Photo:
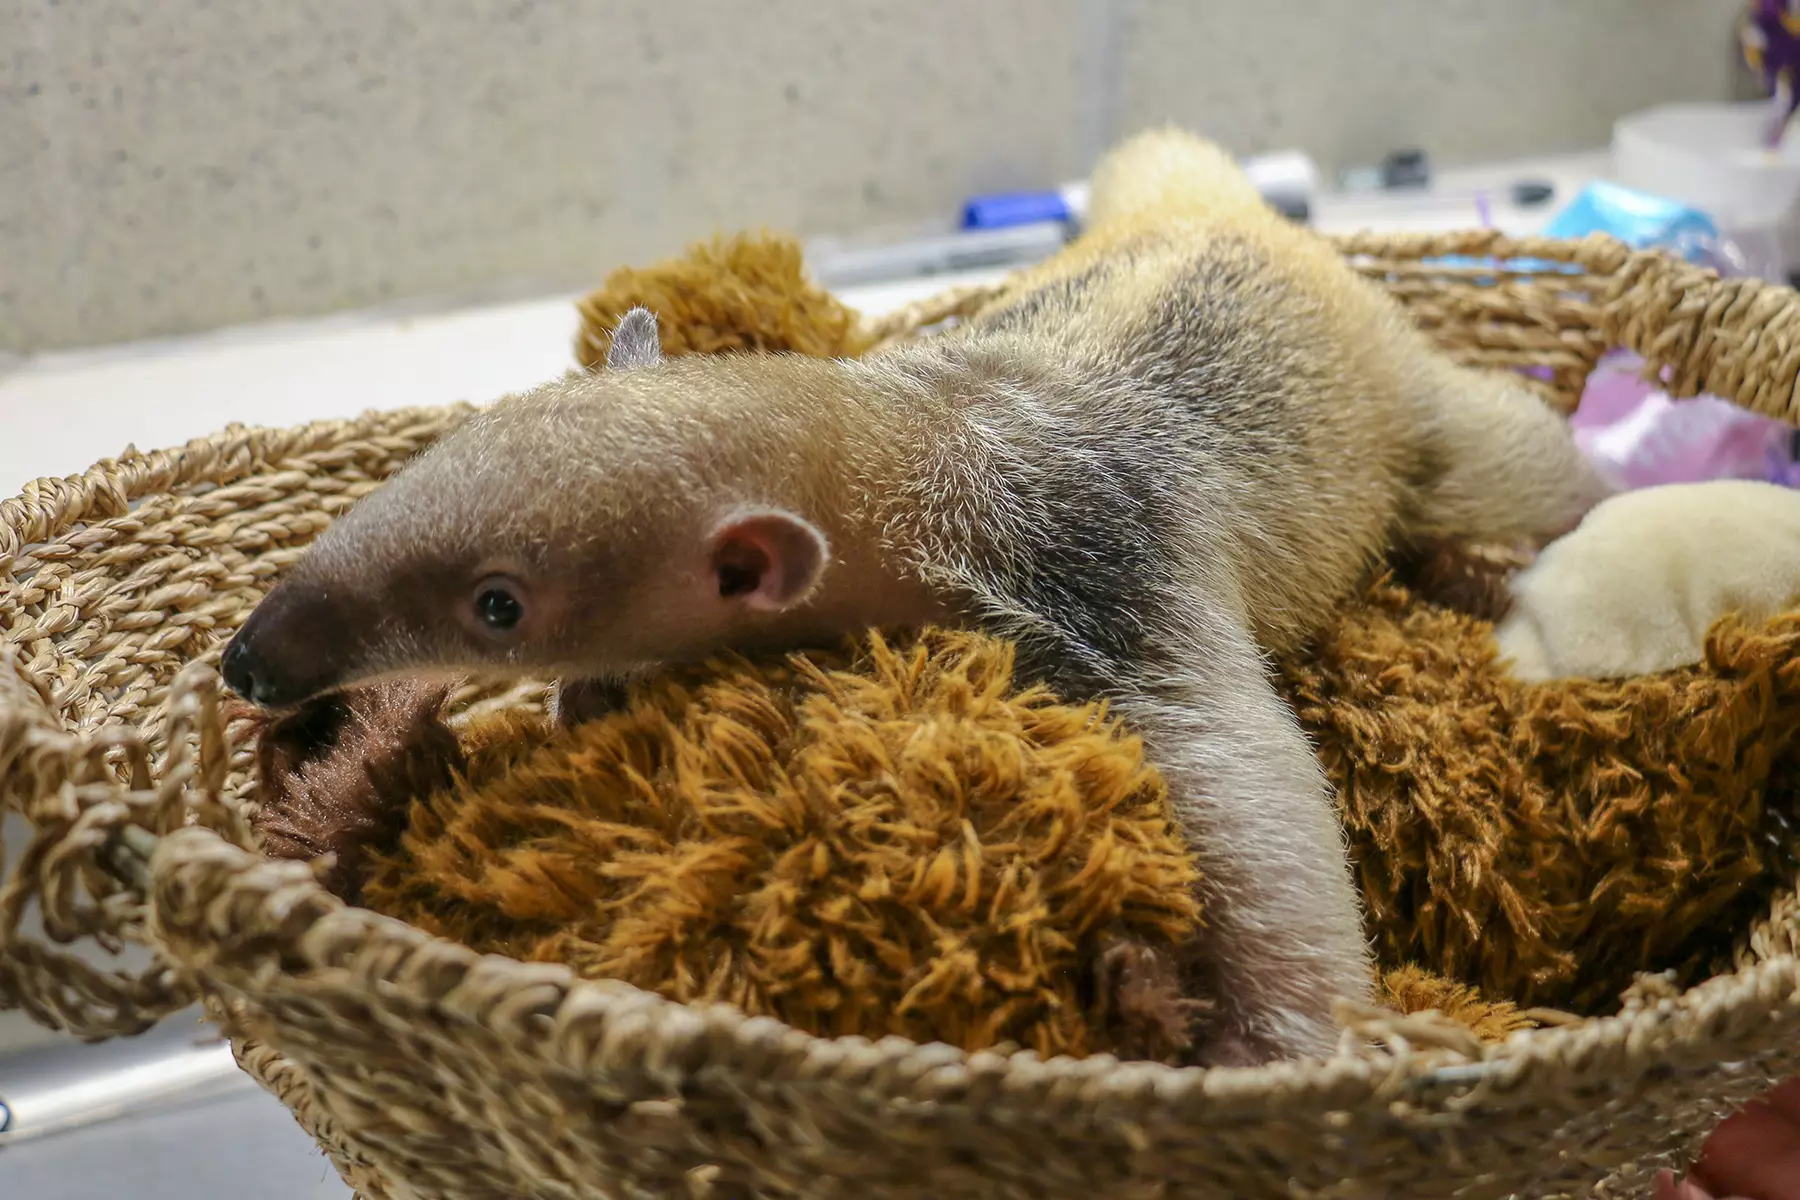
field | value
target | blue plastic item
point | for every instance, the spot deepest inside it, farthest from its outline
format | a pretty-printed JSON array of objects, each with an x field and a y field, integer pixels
[
  {"x": 1636, "y": 218},
  {"x": 1005, "y": 209}
]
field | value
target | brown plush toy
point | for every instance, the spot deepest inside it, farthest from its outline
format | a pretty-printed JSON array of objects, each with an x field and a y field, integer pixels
[
  {"x": 901, "y": 839},
  {"x": 895, "y": 839},
  {"x": 1547, "y": 843}
]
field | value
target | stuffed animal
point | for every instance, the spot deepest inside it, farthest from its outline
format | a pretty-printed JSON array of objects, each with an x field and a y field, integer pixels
[
  {"x": 898, "y": 839},
  {"x": 1635, "y": 587}
]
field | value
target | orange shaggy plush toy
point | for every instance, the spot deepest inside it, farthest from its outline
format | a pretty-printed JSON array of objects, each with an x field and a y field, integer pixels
[{"x": 897, "y": 839}]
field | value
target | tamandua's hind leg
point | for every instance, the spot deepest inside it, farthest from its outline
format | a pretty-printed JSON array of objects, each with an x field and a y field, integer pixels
[{"x": 1496, "y": 464}]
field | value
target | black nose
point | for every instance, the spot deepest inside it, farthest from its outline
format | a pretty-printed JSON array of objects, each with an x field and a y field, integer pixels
[{"x": 238, "y": 666}]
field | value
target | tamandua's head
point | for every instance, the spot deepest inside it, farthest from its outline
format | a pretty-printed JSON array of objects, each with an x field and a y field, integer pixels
[{"x": 595, "y": 525}]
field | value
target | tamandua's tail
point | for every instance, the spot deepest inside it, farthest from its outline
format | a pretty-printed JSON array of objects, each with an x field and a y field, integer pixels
[{"x": 1169, "y": 172}]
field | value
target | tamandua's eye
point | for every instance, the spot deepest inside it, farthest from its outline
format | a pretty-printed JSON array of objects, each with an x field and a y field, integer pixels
[{"x": 498, "y": 608}]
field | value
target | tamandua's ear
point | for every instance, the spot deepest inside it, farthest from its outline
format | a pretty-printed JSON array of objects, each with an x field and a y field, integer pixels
[
  {"x": 635, "y": 343},
  {"x": 767, "y": 559}
]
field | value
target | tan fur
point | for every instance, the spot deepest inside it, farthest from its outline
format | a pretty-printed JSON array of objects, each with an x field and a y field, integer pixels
[
  {"x": 1637, "y": 586},
  {"x": 1168, "y": 452},
  {"x": 1385, "y": 406}
]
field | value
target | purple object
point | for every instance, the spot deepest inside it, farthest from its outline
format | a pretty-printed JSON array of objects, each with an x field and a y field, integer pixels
[
  {"x": 1770, "y": 37},
  {"x": 1639, "y": 437},
  {"x": 1626, "y": 424},
  {"x": 1782, "y": 467}
]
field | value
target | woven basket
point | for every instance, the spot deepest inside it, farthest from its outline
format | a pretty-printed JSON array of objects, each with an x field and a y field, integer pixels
[{"x": 427, "y": 1071}]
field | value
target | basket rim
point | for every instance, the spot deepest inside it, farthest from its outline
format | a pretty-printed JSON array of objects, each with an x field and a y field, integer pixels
[
  {"x": 608, "y": 1029},
  {"x": 52, "y": 504}
]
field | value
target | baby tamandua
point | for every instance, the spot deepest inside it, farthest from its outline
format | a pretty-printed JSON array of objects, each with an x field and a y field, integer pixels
[{"x": 1157, "y": 457}]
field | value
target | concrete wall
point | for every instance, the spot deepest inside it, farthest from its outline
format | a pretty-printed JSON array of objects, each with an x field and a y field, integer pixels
[{"x": 174, "y": 165}]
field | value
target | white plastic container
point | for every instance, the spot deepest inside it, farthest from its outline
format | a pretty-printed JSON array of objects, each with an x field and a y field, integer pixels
[{"x": 1712, "y": 156}]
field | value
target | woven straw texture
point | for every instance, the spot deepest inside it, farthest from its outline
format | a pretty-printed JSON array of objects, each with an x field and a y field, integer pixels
[{"x": 429, "y": 1071}]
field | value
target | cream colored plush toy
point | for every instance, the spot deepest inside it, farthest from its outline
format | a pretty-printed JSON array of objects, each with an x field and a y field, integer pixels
[{"x": 1634, "y": 589}]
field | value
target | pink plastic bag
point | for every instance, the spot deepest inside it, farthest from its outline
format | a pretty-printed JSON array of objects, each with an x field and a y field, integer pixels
[{"x": 1639, "y": 437}]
